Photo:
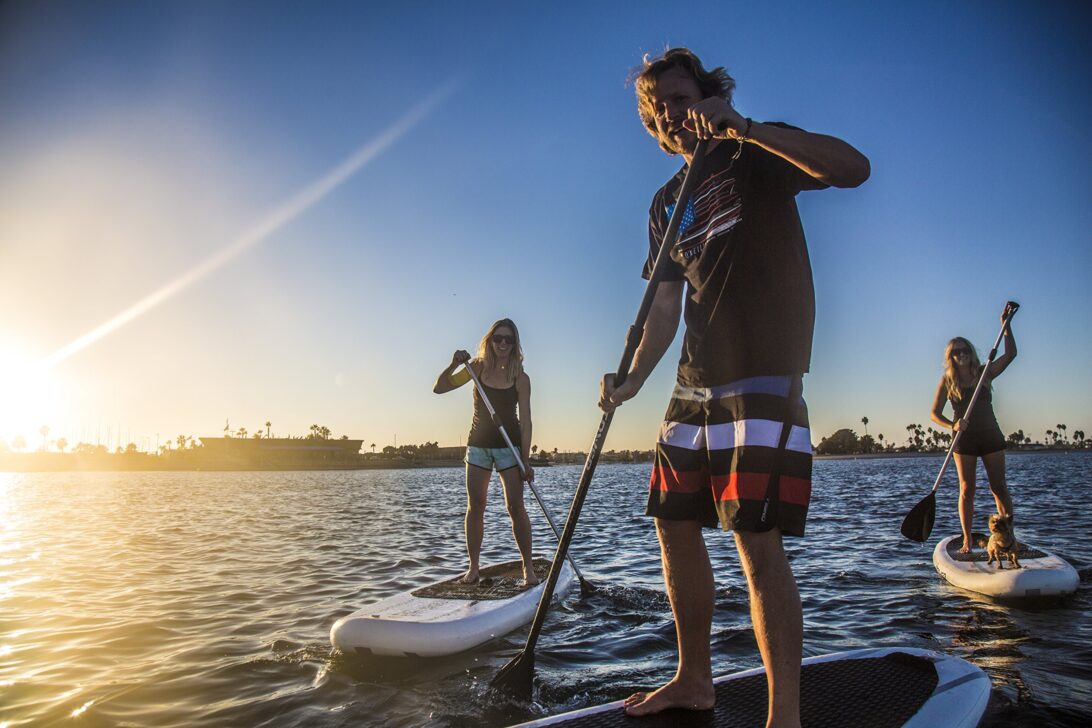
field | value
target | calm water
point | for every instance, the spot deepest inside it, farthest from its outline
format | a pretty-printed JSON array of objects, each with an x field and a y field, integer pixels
[{"x": 172, "y": 599}]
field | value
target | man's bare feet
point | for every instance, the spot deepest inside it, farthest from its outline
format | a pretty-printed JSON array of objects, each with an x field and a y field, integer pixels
[
  {"x": 470, "y": 577},
  {"x": 672, "y": 695}
]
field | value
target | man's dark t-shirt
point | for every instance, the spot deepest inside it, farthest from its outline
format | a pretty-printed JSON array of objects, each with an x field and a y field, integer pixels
[{"x": 750, "y": 304}]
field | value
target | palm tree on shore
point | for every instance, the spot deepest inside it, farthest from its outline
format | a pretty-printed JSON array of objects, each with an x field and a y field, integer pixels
[
  {"x": 268, "y": 424},
  {"x": 864, "y": 421}
]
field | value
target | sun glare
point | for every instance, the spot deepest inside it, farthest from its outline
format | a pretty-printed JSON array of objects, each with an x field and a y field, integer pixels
[{"x": 26, "y": 396}]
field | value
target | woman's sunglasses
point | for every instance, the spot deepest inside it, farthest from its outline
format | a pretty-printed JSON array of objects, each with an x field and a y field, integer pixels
[
  {"x": 960, "y": 352},
  {"x": 503, "y": 339}
]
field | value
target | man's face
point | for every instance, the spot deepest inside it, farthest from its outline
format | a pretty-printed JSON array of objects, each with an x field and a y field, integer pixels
[{"x": 672, "y": 93}]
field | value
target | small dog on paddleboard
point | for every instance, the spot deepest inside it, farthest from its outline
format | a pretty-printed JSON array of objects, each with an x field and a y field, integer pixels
[{"x": 1002, "y": 543}]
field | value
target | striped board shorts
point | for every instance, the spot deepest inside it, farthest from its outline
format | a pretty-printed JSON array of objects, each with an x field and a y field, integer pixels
[{"x": 739, "y": 453}]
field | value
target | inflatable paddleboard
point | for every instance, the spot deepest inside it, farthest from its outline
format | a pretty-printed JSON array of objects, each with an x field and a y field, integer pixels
[
  {"x": 447, "y": 617},
  {"x": 898, "y": 687},
  {"x": 1043, "y": 574}
]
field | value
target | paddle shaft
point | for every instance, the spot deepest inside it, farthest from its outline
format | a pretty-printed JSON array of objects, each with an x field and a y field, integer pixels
[
  {"x": 1010, "y": 311},
  {"x": 633, "y": 339},
  {"x": 519, "y": 461}
]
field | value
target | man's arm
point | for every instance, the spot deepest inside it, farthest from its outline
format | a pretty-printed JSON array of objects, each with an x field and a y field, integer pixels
[
  {"x": 660, "y": 328},
  {"x": 826, "y": 158}
]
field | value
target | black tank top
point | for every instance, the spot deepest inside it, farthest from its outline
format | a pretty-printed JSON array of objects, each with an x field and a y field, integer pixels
[
  {"x": 483, "y": 433},
  {"x": 982, "y": 416}
]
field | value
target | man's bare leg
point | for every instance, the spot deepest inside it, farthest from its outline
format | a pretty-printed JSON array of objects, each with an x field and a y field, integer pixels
[
  {"x": 778, "y": 621},
  {"x": 689, "y": 579}
]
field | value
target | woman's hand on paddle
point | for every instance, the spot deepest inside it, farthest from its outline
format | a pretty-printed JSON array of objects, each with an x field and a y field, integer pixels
[
  {"x": 611, "y": 397},
  {"x": 957, "y": 425},
  {"x": 459, "y": 357},
  {"x": 529, "y": 473}
]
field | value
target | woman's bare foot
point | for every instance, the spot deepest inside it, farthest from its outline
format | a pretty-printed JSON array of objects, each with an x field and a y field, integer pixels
[
  {"x": 470, "y": 577},
  {"x": 673, "y": 695},
  {"x": 529, "y": 578},
  {"x": 966, "y": 549}
]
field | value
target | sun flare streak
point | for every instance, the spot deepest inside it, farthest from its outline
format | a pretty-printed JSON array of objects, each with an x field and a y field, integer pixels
[{"x": 274, "y": 221}]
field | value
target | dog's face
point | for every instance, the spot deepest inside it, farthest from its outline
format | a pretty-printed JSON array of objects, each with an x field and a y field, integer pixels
[{"x": 1001, "y": 525}]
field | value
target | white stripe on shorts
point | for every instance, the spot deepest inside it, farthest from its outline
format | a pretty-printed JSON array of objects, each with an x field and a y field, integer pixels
[{"x": 749, "y": 433}]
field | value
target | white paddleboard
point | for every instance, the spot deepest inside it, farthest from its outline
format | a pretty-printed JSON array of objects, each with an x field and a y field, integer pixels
[
  {"x": 446, "y": 617},
  {"x": 890, "y": 687},
  {"x": 1043, "y": 574}
]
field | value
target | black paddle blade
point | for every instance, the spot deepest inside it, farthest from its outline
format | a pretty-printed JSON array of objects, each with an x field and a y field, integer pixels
[
  {"x": 586, "y": 588},
  {"x": 918, "y": 523},
  {"x": 517, "y": 676}
]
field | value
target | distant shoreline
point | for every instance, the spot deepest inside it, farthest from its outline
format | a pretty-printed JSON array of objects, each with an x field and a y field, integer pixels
[
  {"x": 878, "y": 455},
  {"x": 142, "y": 462}
]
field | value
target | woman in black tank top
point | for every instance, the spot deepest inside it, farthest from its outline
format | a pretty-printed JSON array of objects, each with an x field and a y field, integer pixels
[
  {"x": 499, "y": 367},
  {"x": 982, "y": 437}
]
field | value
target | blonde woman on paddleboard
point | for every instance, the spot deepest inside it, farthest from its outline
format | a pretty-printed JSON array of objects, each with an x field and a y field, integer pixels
[
  {"x": 499, "y": 366},
  {"x": 982, "y": 436}
]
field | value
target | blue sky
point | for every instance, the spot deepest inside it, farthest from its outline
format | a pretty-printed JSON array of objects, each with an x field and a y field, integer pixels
[{"x": 141, "y": 140}]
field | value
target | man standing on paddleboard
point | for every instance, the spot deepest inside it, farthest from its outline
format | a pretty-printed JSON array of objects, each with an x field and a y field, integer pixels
[{"x": 734, "y": 446}]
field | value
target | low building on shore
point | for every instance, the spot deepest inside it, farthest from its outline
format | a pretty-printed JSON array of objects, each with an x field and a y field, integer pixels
[{"x": 279, "y": 453}]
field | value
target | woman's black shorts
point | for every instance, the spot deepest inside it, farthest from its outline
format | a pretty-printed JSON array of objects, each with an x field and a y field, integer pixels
[{"x": 981, "y": 442}]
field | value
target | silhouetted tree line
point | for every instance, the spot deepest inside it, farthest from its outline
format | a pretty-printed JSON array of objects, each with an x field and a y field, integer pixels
[{"x": 919, "y": 439}]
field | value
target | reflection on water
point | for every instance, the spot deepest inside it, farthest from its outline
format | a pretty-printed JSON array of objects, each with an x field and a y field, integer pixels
[{"x": 181, "y": 598}]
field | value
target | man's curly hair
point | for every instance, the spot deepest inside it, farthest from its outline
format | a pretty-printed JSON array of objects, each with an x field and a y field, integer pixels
[{"x": 716, "y": 82}]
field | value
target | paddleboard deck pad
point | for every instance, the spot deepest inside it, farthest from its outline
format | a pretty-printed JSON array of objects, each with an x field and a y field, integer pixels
[
  {"x": 1042, "y": 574},
  {"x": 900, "y": 687},
  {"x": 448, "y": 616}
]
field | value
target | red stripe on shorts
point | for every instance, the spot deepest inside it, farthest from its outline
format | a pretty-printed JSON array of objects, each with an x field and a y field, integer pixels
[
  {"x": 752, "y": 486},
  {"x": 673, "y": 481}
]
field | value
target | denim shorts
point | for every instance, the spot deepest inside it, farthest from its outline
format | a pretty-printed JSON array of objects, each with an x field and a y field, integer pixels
[{"x": 487, "y": 458}]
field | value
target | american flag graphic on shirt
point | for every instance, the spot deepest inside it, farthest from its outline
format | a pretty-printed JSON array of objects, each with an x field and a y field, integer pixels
[{"x": 712, "y": 210}]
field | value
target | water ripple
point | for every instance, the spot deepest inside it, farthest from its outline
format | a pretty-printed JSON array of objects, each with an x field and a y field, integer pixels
[{"x": 174, "y": 599}]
